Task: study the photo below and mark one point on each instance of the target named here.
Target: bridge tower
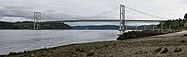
(122, 27)
(37, 20)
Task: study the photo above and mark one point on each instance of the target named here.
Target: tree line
(175, 24)
(29, 25)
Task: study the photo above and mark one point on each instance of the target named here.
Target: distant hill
(29, 25)
(112, 27)
(99, 27)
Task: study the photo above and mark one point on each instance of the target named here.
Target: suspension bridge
(125, 15)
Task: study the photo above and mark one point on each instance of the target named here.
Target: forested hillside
(29, 25)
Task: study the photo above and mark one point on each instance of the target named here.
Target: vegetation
(29, 25)
(177, 24)
(141, 34)
(115, 27)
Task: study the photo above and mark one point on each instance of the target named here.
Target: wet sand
(167, 45)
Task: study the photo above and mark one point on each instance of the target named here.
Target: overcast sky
(82, 9)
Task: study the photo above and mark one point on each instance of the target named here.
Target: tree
(185, 16)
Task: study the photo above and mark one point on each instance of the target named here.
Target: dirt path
(172, 34)
(160, 37)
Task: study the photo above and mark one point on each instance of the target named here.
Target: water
(21, 40)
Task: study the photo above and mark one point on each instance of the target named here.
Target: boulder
(165, 50)
(183, 41)
(90, 54)
(161, 50)
(177, 50)
(158, 50)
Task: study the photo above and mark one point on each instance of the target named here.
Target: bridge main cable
(146, 13)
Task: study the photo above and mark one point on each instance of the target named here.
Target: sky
(14, 10)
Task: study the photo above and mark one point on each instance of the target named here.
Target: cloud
(165, 8)
(89, 9)
(27, 12)
(65, 9)
(15, 11)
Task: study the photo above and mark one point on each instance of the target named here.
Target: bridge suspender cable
(145, 13)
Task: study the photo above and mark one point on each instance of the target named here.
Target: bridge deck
(110, 20)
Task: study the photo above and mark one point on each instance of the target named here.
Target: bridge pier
(122, 27)
(37, 20)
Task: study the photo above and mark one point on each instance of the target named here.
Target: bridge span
(112, 20)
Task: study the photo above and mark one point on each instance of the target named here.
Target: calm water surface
(20, 40)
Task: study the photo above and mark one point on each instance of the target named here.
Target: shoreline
(131, 47)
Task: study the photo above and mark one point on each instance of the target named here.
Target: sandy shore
(167, 45)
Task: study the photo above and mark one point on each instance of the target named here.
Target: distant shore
(167, 45)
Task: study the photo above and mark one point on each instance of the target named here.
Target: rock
(139, 52)
(32, 55)
(121, 38)
(177, 50)
(74, 53)
(185, 35)
(158, 50)
(111, 55)
(165, 50)
(79, 50)
(90, 54)
(114, 44)
(183, 41)
(161, 50)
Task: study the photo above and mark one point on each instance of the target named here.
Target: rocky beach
(166, 45)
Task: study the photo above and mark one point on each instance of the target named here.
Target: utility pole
(153, 27)
(122, 28)
(162, 27)
(126, 27)
(145, 27)
(57, 19)
(169, 28)
(136, 27)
